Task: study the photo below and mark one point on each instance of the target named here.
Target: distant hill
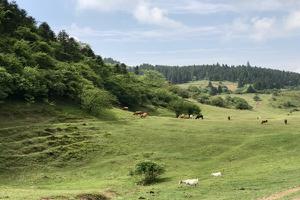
(261, 78)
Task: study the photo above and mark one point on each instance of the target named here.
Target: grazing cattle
(199, 116)
(125, 108)
(138, 112)
(190, 182)
(181, 116)
(144, 115)
(285, 121)
(264, 121)
(186, 117)
(216, 174)
(229, 118)
(191, 116)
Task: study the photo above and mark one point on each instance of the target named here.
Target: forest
(261, 78)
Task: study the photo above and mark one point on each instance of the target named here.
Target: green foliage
(153, 78)
(218, 101)
(148, 172)
(45, 32)
(261, 78)
(241, 104)
(256, 98)
(184, 107)
(43, 60)
(44, 47)
(6, 81)
(289, 104)
(37, 65)
(251, 89)
(95, 100)
(31, 85)
(11, 63)
(26, 34)
(179, 91)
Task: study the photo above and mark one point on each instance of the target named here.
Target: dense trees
(37, 65)
(261, 78)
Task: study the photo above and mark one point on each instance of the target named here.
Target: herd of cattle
(142, 114)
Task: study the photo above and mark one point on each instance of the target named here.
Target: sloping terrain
(59, 152)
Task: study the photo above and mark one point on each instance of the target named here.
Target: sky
(181, 32)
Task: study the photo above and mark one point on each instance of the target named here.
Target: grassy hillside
(203, 84)
(59, 152)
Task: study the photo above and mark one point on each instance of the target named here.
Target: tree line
(261, 78)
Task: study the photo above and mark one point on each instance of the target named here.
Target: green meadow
(59, 152)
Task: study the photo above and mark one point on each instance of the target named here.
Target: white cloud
(141, 10)
(201, 7)
(105, 5)
(154, 15)
(263, 28)
(293, 21)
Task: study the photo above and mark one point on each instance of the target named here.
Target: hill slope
(95, 154)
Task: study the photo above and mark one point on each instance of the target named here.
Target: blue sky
(181, 32)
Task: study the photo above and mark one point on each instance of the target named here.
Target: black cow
(199, 116)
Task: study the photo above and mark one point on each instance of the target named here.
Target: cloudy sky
(181, 32)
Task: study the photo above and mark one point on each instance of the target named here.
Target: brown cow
(138, 112)
(144, 115)
(285, 121)
(229, 118)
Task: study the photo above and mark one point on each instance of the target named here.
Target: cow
(181, 116)
(138, 112)
(264, 121)
(144, 115)
(125, 108)
(186, 117)
(216, 174)
(199, 116)
(229, 118)
(285, 121)
(190, 182)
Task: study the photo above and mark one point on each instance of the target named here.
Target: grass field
(204, 83)
(58, 152)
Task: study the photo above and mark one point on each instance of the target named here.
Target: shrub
(241, 104)
(148, 172)
(256, 98)
(288, 104)
(203, 99)
(183, 107)
(95, 100)
(218, 101)
(5, 83)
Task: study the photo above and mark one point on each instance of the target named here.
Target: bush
(241, 104)
(218, 101)
(95, 100)
(183, 107)
(288, 104)
(203, 99)
(148, 172)
(5, 83)
(256, 98)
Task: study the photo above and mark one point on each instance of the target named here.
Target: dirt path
(282, 194)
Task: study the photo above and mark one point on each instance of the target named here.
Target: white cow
(216, 174)
(190, 182)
